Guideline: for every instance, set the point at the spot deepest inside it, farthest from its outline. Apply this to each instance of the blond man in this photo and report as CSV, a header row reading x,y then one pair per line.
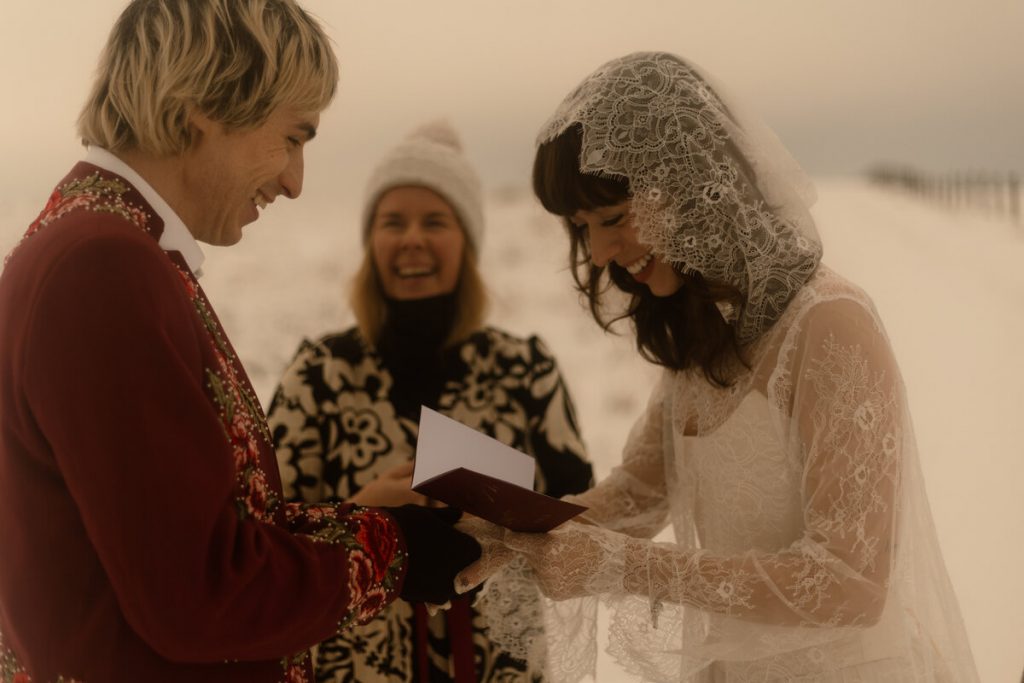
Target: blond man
x,y
142,527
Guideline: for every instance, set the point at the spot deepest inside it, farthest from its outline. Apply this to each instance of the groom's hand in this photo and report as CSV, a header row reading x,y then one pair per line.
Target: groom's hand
x,y
437,552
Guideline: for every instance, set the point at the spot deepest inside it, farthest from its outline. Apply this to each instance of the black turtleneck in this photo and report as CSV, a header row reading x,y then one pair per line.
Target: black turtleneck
x,y
412,347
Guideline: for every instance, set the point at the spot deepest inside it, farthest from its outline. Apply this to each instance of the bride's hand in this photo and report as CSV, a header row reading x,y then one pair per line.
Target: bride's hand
x,y
573,560
495,555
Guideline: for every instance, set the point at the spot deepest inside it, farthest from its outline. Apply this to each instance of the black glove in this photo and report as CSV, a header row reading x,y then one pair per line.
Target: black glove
x,y
437,552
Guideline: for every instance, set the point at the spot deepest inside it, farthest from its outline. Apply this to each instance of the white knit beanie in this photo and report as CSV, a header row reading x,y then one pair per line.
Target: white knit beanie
x,y
430,157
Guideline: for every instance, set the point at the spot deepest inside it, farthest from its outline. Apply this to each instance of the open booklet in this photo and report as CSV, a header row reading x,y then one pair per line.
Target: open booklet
x,y
482,476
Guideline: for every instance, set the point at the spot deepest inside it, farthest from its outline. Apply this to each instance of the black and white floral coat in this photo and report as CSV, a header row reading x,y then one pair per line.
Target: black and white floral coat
x,y
337,425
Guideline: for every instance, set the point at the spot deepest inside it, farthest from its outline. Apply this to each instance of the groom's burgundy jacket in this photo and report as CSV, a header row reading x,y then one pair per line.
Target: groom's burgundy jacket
x,y
143,536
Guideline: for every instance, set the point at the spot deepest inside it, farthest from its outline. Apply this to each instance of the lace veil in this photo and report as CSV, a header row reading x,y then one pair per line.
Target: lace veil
x,y
713,190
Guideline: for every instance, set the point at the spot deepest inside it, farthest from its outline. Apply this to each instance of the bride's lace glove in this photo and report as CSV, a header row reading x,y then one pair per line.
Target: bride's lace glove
x,y
437,552
494,554
573,560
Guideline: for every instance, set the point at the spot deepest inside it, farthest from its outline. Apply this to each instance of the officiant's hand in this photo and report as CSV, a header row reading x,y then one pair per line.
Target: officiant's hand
x,y
437,552
391,488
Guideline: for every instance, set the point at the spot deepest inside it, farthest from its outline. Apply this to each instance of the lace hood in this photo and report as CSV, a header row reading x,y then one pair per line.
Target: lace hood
x,y
713,190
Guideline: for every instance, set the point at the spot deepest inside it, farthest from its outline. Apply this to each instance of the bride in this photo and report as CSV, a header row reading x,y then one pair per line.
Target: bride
x,y
778,442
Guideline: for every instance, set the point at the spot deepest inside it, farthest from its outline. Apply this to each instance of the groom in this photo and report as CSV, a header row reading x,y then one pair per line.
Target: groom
x,y
143,536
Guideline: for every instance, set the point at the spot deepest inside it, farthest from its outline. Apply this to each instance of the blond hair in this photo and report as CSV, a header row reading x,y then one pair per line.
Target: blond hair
x,y
233,60
368,304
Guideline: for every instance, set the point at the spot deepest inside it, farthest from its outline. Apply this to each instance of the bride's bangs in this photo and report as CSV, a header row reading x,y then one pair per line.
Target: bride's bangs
x,y
560,186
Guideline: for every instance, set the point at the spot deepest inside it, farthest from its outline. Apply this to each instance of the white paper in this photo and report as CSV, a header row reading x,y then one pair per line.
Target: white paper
x,y
444,445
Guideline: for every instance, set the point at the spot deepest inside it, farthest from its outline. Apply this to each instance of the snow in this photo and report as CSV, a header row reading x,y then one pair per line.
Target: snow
x,y
948,286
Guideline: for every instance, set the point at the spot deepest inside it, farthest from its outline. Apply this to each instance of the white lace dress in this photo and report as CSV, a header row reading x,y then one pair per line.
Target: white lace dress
x,y
804,545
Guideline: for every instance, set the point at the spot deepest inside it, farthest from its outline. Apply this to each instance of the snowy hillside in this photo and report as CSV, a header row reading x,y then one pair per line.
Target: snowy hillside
x,y
948,285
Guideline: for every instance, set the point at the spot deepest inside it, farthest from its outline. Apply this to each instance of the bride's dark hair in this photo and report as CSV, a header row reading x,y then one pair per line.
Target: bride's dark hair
x,y
680,331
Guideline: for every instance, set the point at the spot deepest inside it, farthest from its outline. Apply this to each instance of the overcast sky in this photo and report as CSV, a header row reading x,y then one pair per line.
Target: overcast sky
x,y
845,84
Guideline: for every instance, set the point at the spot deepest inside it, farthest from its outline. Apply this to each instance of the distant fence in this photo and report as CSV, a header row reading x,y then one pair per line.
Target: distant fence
x,y
997,194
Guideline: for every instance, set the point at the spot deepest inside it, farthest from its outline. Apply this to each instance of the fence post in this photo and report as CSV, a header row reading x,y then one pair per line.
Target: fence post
x,y
1014,191
998,193
993,193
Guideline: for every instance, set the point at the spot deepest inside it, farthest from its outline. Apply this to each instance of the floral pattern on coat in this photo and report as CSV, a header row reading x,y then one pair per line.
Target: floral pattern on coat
x,y
336,427
240,413
94,192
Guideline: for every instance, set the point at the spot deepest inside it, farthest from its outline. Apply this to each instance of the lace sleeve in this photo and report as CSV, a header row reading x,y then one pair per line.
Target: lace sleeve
x,y
630,502
632,499
676,609
846,418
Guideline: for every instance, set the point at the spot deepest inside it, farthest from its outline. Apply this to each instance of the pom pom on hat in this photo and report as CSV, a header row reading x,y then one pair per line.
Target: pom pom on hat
x,y
439,132
431,157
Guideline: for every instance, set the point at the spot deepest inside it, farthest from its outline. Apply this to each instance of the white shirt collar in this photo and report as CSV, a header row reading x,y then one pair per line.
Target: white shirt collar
x,y
176,237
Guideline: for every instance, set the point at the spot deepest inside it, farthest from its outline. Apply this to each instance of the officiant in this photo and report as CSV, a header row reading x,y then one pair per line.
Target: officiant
x,y
344,417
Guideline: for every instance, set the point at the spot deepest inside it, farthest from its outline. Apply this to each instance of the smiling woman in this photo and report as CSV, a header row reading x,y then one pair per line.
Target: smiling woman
x,y
345,415
777,445
417,243
614,238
